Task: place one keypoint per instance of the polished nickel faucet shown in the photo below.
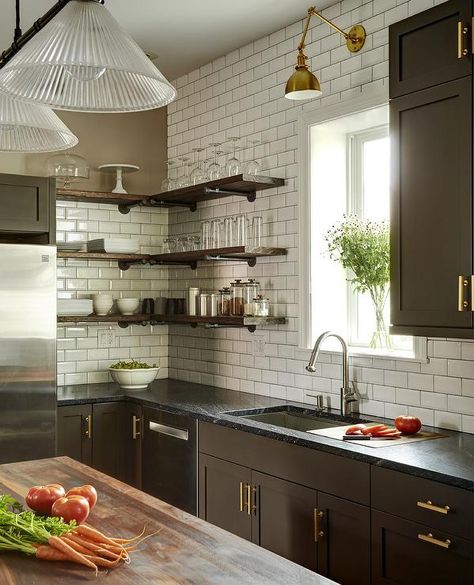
(348, 395)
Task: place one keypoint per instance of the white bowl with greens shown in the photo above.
(133, 375)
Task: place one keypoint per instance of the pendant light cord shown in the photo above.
(18, 32)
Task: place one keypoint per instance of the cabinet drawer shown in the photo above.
(407, 553)
(423, 500)
(333, 474)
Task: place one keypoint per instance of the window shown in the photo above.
(347, 173)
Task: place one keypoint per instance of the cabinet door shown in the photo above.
(132, 431)
(170, 458)
(424, 48)
(27, 204)
(74, 432)
(431, 211)
(343, 540)
(400, 556)
(223, 495)
(107, 438)
(283, 519)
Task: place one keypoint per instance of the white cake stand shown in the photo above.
(119, 169)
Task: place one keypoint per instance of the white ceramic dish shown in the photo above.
(114, 245)
(134, 379)
(128, 306)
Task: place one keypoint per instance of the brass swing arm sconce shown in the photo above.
(303, 84)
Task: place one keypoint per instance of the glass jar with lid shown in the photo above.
(261, 307)
(237, 298)
(223, 308)
(251, 290)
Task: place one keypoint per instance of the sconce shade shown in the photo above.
(302, 85)
(83, 60)
(31, 128)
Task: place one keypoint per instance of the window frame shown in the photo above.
(307, 119)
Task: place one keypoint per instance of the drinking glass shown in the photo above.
(253, 167)
(167, 184)
(198, 174)
(229, 232)
(183, 179)
(255, 232)
(182, 244)
(214, 171)
(216, 233)
(233, 166)
(205, 235)
(169, 245)
(194, 242)
(241, 230)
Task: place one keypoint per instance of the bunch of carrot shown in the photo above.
(89, 547)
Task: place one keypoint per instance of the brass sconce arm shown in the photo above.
(355, 38)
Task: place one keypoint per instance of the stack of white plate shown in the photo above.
(113, 246)
(80, 307)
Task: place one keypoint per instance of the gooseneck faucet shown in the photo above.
(347, 394)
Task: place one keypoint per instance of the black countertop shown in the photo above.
(449, 460)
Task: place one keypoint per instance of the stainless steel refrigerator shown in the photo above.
(27, 352)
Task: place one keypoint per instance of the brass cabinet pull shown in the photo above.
(241, 496)
(463, 292)
(462, 35)
(428, 505)
(429, 538)
(88, 431)
(318, 533)
(136, 420)
(250, 506)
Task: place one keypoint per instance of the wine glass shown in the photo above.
(214, 171)
(198, 174)
(233, 166)
(167, 184)
(253, 167)
(183, 180)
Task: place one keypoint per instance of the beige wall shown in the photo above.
(137, 138)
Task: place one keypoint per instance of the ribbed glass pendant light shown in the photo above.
(83, 60)
(31, 128)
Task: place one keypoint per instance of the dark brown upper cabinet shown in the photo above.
(28, 209)
(431, 190)
(431, 48)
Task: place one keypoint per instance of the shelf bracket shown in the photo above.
(125, 264)
(124, 209)
(126, 324)
(226, 192)
(252, 328)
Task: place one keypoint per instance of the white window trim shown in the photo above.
(306, 120)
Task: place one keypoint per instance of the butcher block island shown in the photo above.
(184, 551)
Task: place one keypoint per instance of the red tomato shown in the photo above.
(88, 491)
(41, 498)
(408, 425)
(71, 508)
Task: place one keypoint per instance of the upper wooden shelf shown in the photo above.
(236, 186)
(236, 253)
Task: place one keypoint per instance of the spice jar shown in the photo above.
(223, 307)
(212, 307)
(261, 307)
(203, 304)
(237, 298)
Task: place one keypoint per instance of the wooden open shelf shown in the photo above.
(251, 323)
(237, 253)
(238, 185)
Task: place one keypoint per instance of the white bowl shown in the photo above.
(134, 379)
(128, 306)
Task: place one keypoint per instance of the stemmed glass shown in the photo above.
(198, 174)
(233, 164)
(214, 171)
(167, 184)
(253, 167)
(183, 180)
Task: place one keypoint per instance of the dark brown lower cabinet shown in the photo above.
(74, 432)
(321, 532)
(103, 436)
(407, 553)
(223, 495)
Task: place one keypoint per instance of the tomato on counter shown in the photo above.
(41, 498)
(88, 491)
(71, 508)
(408, 425)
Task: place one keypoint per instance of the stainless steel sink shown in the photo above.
(295, 418)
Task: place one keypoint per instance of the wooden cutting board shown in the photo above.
(339, 432)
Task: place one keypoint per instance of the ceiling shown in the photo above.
(184, 34)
